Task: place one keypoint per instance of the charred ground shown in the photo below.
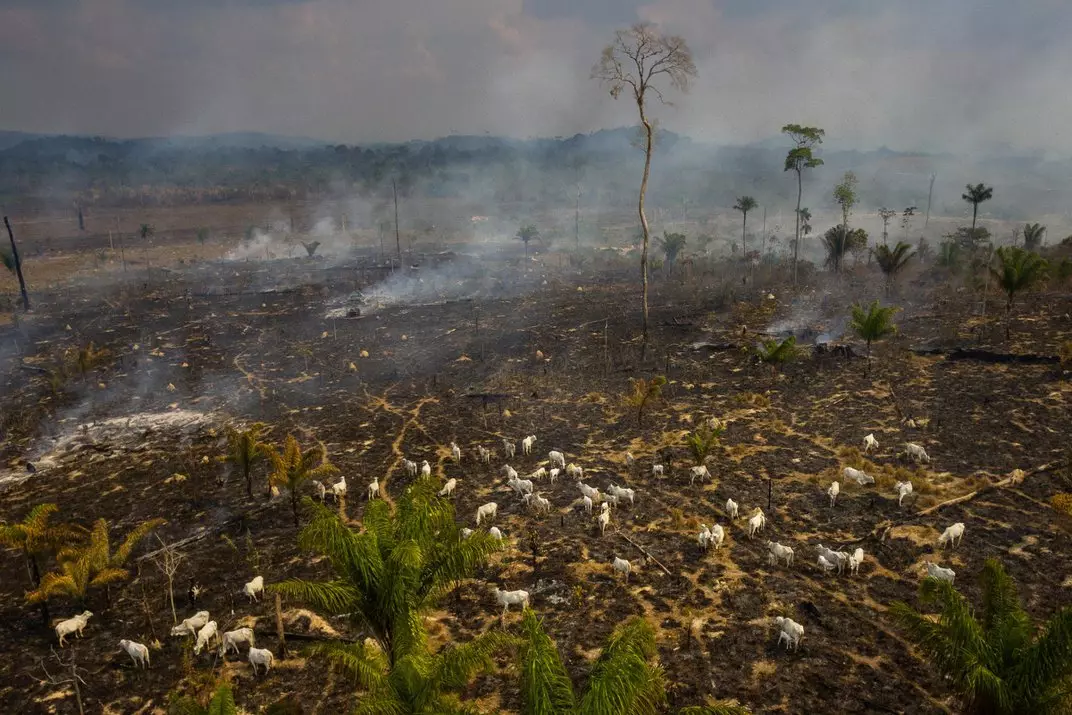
(191, 349)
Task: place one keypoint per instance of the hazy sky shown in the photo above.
(911, 74)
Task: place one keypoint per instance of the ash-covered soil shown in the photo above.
(138, 435)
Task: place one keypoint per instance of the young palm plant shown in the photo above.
(1017, 270)
(774, 352)
(872, 324)
(643, 392)
(293, 468)
(36, 538)
(703, 441)
(836, 243)
(622, 680)
(94, 565)
(1033, 233)
(387, 576)
(671, 244)
(244, 449)
(998, 661)
(221, 703)
(892, 260)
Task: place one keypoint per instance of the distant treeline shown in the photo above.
(61, 171)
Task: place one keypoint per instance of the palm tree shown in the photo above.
(417, 681)
(622, 680)
(837, 242)
(744, 205)
(1017, 270)
(244, 449)
(146, 231)
(222, 703)
(293, 467)
(642, 392)
(774, 352)
(387, 576)
(1033, 235)
(976, 195)
(872, 324)
(891, 261)
(671, 244)
(93, 565)
(998, 661)
(526, 234)
(37, 538)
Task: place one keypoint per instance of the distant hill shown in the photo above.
(58, 170)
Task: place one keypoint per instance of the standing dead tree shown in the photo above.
(636, 60)
(167, 559)
(68, 675)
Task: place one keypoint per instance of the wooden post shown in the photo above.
(281, 645)
(398, 238)
(18, 266)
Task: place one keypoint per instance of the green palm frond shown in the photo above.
(874, 322)
(1018, 269)
(1006, 625)
(775, 352)
(546, 688)
(622, 679)
(222, 702)
(365, 662)
(139, 532)
(996, 664)
(1033, 233)
(332, 597)
(892, 260)
(703, 441)
(36, 535)
(1045, 668)
(456, 665)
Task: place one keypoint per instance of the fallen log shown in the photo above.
(1017, 477)
(208, 531)
(646, 553)
(989, 356)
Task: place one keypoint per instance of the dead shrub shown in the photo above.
(752, 398)
(1062, 502)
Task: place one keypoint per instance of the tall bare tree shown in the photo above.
(636, 61)
(886, 214)
(798, 159)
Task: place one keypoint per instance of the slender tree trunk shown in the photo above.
(744, 233)
(249, 480)
(171, 598)
(294, 505)
(644, 221)
(975, 212)
(1008, 317)
(35, 575)
(18, 263)
(398, 236)
(869, 358)
(796, 245)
